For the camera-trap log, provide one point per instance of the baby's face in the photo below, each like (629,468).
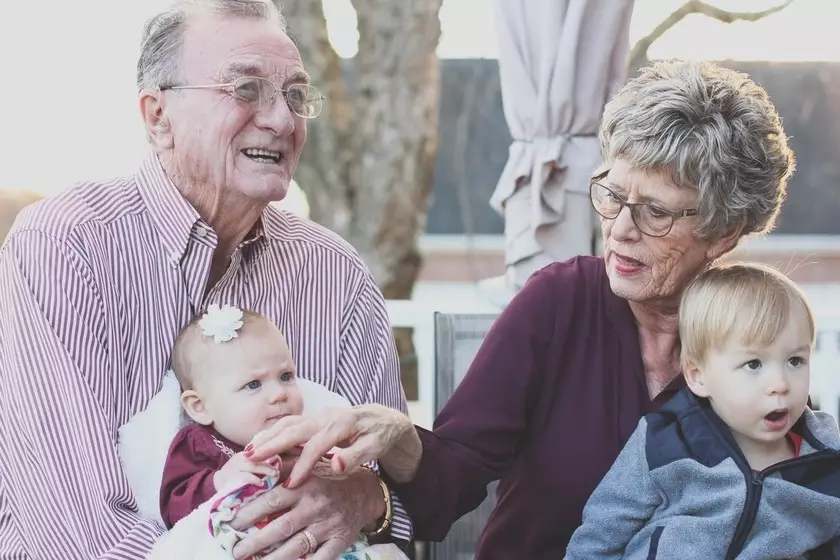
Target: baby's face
(249,383)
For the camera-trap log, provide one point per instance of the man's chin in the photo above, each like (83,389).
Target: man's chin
(266,188)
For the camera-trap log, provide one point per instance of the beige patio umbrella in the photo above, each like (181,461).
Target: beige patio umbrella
(560,61)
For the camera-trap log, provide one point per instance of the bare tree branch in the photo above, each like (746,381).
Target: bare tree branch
(638,55)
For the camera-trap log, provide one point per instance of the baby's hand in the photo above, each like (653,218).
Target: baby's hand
(241,469)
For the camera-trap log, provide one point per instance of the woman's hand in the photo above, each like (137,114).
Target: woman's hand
(361,434)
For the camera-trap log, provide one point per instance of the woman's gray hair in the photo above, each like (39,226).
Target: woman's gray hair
(163,34)
(707,128)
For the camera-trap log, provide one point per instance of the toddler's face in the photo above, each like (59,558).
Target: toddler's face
(760,393)
(248,383)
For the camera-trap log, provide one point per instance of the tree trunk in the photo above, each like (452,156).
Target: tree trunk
(368,165)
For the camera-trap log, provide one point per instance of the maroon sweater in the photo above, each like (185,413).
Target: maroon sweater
(195,454)
(549,401)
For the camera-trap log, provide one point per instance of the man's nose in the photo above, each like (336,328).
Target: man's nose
(276,116)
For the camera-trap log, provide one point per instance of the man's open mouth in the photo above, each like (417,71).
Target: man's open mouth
(262,156)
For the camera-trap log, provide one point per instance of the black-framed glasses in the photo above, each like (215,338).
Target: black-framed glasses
(303,100)
(650,219)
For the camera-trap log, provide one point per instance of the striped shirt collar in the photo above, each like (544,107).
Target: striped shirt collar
(177,220)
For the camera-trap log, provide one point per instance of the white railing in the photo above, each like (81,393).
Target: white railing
(407,313)
(825,364)
(419,315)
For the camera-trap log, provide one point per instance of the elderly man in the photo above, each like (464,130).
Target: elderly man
(97,282)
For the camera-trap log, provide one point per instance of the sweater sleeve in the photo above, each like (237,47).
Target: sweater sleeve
(477,433)
(620,506)
(188,474)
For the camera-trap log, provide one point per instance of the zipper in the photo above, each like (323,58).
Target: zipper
(755,484)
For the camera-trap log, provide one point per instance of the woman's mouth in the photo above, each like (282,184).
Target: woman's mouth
(627,266)
(777,419)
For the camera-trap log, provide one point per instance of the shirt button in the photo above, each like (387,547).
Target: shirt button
(174,258)
(201,232)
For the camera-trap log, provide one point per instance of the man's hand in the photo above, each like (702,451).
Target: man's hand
(332,508)
(242,470)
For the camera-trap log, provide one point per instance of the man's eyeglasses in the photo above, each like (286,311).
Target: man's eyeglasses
(304,100)
(651,220)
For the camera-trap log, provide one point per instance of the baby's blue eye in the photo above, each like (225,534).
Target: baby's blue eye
(253,385)
(286,376)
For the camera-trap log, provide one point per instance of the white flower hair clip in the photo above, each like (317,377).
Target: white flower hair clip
(221,323)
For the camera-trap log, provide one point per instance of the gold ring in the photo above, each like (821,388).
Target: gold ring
(311,540)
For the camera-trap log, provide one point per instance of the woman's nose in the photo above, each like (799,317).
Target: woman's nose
(623,227)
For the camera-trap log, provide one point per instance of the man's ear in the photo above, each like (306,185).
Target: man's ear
(694,378)
(153,111)
(194,406)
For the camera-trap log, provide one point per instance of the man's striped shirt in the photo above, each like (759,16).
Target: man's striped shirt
(95,285)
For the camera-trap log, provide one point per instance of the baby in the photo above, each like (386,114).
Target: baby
(237,378)
(736,465)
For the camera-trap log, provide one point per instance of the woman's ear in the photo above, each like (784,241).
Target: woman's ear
(719,247)
(152,109)
(194,406)
(694,378)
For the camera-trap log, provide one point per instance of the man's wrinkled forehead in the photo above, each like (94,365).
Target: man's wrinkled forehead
(232,69)
(227,46)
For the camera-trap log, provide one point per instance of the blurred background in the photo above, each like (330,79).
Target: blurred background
(419,176)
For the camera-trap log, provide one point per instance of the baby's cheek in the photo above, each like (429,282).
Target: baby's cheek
(298,402)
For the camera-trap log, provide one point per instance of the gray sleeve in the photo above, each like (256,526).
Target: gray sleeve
(619,507)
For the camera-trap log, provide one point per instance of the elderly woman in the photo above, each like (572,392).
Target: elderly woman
(696,160)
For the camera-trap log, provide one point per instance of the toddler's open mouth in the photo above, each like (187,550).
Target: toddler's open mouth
(777,419)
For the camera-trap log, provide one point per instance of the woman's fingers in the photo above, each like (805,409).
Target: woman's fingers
(286,434)
(365,432)
(336,431)
(364,450)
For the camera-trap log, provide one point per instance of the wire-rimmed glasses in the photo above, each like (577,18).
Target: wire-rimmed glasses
(650,219)
(303,99)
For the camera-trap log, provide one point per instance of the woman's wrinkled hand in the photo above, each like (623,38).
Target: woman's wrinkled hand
(361,434)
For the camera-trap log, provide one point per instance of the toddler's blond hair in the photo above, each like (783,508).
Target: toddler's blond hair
(749,301)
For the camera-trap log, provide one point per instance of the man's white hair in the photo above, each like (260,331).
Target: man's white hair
(163,34)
